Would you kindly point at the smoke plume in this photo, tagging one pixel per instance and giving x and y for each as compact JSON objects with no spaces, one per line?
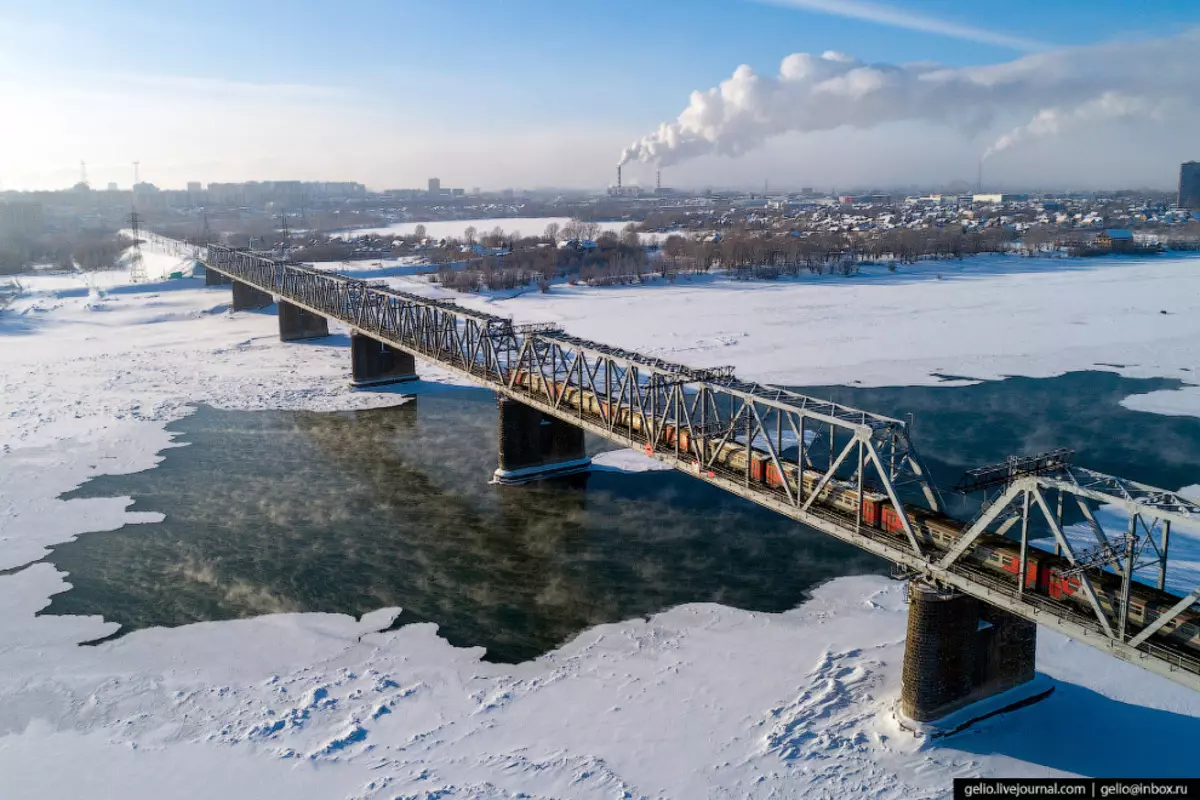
{"x":1055,"y":121}
{"x":1062,"y":90}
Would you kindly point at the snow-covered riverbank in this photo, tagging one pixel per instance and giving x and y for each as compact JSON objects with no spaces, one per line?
{"x":698,"y":701}
{"x":983,"y":318}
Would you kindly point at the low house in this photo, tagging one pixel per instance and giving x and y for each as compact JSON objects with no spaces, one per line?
{"x":1117,"y":240}
{"x":577,"y":244}
{"x":481,"y":250}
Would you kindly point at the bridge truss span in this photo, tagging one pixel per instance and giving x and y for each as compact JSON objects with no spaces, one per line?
{"x":849,"y":473}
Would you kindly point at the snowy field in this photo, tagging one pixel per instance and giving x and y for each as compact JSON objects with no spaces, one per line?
{"x":375,"y":269}
{"x":697,"y":701}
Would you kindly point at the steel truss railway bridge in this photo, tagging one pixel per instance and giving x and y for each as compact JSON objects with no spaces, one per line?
{"x":971,"y":629}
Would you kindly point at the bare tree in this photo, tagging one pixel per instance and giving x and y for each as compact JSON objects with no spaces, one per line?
{"x":419,"y":232}
{"x":469,"y":234}
{"x":674,"y":247}
{"x":552,"y":232}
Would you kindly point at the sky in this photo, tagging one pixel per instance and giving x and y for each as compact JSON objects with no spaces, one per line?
{"x":527,"y":93}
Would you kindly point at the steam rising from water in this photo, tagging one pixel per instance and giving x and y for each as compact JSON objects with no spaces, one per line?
{"x":1062,"y":91}
{"x":298,"y":511}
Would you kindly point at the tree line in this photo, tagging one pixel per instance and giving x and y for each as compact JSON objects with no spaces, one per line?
{"x":743,"y":253}
{"x":91,"y":250}
{"x":746,"y":253}
{"x":585,"y":253}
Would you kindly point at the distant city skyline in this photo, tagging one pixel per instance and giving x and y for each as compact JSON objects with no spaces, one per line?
{"x":749,"y":186}
{"x":523,"y":96}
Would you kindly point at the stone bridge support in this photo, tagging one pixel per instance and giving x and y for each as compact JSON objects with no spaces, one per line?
{"x":960,"y":656}
{"x":296,"y":323}
{"x":533,"y":445}
{"x":377,"y":364}
{"x":246,"y":297}
{"x":214,"y":278}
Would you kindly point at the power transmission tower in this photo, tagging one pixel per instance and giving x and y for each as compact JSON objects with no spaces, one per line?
{"x":137,"y":265}
{"x":287,"y":235}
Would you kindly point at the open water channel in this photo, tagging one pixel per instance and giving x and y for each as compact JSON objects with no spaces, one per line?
{"x":348,"y":512}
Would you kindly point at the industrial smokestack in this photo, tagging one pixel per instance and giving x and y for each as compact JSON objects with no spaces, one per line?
{"x":657,"y":180}
{"x":618,"y":176}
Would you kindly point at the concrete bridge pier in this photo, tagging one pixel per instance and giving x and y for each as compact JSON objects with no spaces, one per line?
{"x":214,"y":278}
{"x":964,"y":661}
{"x":533,"y":446}
{"x":246,"y":297}
{"x":296,"y":323}
{"x":377,"y":364}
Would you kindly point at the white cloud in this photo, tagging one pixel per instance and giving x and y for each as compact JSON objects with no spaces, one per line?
{"x":882,"y":14}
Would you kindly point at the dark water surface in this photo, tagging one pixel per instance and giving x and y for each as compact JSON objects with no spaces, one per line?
{"x":957,"y":428}
{"x":348,"y":512}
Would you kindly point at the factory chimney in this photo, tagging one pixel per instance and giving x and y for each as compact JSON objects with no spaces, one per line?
{"x":618,"y":176}
{"x":658,"y":180}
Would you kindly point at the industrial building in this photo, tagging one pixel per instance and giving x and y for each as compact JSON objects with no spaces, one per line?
{"x":435,"y":189}
{"x":19,"y":220}
{"x":621,"y":190}
{"x":285,"y":194}
{"x":996,"y":198}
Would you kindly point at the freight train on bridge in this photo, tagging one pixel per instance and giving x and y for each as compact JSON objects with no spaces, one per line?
{"x":1051,"y":575}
